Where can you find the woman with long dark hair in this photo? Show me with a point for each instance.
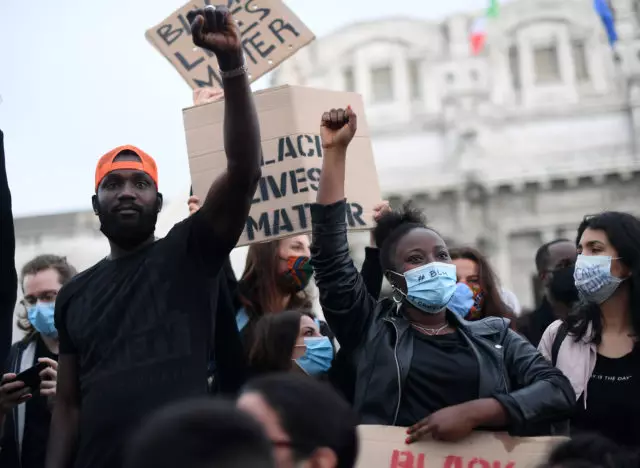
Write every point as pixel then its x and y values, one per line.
pixel 596 345
pixel 275 276
pixel 474 270
pixel 290 341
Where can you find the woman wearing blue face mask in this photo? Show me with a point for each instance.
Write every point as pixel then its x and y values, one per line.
pixel 25 413
pixel 596 346
pixel 417 364
pixel 290 341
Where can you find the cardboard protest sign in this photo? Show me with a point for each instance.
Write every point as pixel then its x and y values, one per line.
pixel 384 447
pixel 271 33
pixel 292 159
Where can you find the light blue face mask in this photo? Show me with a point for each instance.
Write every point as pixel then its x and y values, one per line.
pixel 431 286
pixel 318 356
pixel 41 317
pixel 593 278
pixel 462 300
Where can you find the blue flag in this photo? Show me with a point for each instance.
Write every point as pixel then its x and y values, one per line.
pixel 606 15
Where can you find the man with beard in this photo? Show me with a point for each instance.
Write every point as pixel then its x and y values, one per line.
pixel 135 329
pixel 555 263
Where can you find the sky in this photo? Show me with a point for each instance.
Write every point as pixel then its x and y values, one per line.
pixel 82 79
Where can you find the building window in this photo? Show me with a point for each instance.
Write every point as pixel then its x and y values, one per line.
pixel 580 61
pixel 382 84
pixel 546 64
pixel 514 66
pixel 415 79
pixel 349 79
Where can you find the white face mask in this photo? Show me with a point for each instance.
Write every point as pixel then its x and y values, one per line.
pixel 593 278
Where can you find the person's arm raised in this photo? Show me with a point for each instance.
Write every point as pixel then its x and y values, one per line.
pixel 228 200
pixel 345 301
pixel 8 276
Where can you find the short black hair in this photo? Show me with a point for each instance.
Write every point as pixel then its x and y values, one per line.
pixel 312 414
pixel 392 226
pixel 542 255
pixel 591 450
pixel 200 433
pixel 44 262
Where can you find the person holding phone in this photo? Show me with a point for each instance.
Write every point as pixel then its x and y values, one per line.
pixel 418 364
pixel 30 373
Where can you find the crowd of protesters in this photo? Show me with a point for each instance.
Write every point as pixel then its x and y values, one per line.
pixel 157 356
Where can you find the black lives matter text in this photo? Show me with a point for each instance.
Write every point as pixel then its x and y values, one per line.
pixel 262 33
pixel 294 219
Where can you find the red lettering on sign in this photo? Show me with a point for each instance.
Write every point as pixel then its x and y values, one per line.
pixel 479 463
pixel 405 459
pixel 455 461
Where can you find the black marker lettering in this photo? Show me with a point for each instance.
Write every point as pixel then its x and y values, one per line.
pixel 278 25
pixel 249 7
pixel 261 225
pixel 168 34
pixel 281 222
pixel 185 63
pixel 300 178
pixel 309 139
pixel 213 76
pixel 354 215
pixel 302 214
pixel 290 149
pixel 258 45
pixel 313 175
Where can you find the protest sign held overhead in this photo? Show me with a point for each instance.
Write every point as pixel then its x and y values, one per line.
pixel 384 447
pixel 292 159
pixel 270 31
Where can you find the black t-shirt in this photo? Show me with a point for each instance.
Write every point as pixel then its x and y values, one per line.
pixel 37 420
pixel 444 372
pixel 140 327
pixel 613 406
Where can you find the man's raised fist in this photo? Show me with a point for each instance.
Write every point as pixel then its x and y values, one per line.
pixel 214 29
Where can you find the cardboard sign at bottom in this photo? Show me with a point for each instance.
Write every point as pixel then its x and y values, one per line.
pixel 384 447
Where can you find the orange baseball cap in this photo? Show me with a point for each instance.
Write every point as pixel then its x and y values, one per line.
pixel 107 165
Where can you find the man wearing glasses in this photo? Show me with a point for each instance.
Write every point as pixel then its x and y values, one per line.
pixel 24 428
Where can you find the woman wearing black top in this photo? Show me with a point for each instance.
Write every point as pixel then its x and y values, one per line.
pixel 419 365
pixel 597 346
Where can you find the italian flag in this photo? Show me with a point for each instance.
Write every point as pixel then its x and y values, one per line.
pixel 479 28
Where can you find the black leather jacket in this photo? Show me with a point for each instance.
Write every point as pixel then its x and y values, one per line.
pixel 378 343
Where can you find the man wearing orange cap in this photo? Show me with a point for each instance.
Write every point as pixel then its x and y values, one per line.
pixel 136 328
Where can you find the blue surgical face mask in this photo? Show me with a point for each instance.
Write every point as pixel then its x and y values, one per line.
pixel 462 300
pixel 431 286
pixel 318 356
pixel 593 278
pixel 41 317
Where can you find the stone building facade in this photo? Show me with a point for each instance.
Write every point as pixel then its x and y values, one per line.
pixel 507 149
pixel 504 150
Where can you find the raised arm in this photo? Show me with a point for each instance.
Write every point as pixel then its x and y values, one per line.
pixel 371 271
pixel 8 277
pixel 228 201
pixel 346 304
